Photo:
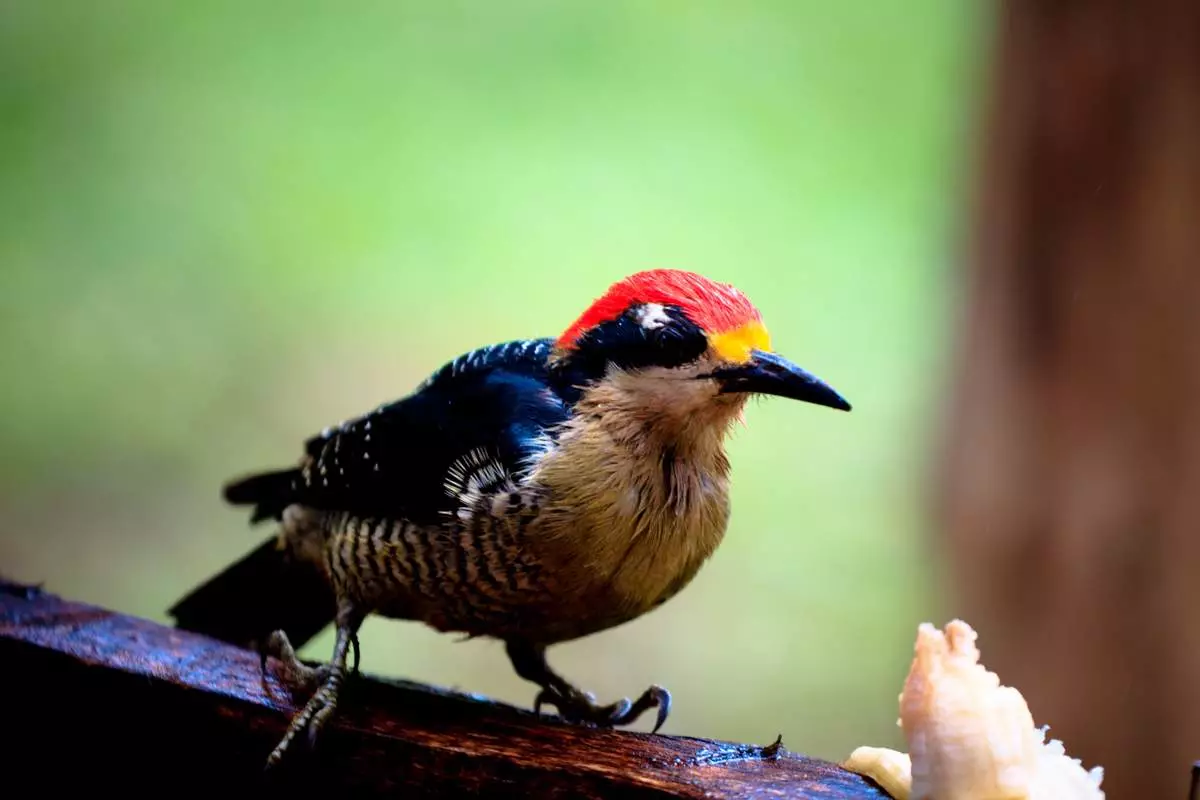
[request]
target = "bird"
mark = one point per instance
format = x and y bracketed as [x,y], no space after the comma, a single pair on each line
[532,492]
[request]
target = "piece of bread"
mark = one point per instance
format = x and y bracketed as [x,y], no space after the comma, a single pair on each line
[968,736]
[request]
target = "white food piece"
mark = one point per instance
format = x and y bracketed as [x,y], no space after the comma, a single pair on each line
[891,769]
[1059,775]
[970,737]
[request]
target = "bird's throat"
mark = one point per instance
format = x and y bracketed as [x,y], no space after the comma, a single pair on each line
[634,510]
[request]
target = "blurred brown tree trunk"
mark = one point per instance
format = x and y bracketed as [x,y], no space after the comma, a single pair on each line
[1070,483]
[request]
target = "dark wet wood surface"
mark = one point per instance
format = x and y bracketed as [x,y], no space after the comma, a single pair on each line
[98,700]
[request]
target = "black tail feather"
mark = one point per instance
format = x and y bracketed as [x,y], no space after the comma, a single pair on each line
[263,591]
[268,492]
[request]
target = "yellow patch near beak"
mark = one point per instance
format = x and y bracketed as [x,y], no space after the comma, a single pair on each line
[734,346]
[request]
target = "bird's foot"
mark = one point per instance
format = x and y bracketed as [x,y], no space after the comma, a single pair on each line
[327,678]
[576,706]
[295,674]
[313,716]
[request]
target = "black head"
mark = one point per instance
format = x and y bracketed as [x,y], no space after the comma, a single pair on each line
[673,325]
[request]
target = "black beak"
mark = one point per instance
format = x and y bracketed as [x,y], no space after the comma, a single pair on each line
[767,373]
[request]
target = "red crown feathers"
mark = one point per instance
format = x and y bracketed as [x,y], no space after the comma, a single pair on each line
[715,307]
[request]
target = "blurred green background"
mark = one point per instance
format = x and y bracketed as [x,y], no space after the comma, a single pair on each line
[226,225]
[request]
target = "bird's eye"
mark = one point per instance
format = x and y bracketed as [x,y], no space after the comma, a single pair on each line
[665,336]
[646,335]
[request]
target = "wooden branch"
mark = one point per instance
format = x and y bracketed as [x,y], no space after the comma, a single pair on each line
[97,699]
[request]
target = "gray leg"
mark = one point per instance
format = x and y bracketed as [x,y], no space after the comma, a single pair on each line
[328,679]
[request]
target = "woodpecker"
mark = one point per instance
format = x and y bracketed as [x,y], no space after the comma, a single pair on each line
[533,492]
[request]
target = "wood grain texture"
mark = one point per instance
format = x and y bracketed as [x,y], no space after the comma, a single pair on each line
[97,699]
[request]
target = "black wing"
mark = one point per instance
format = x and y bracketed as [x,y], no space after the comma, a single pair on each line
[477,419]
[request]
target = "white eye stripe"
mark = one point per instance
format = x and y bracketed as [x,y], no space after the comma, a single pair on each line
[652,316]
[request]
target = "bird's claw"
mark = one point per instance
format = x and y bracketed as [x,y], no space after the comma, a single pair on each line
[295,674]
[326,679]
[310,719]
[575,706]
[655,696]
